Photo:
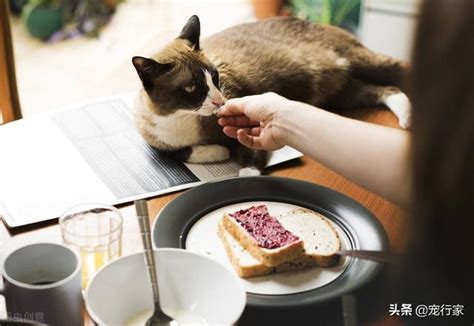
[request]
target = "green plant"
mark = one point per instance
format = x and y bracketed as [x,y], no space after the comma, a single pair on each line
[43,17]
[44,2]
[55,20]
[334,12]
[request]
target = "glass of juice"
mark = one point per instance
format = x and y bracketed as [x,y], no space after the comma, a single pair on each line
[95,232]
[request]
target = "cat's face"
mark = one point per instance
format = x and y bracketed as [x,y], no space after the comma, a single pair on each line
[180,77]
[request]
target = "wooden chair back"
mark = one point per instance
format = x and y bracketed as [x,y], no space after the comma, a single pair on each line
[9,101]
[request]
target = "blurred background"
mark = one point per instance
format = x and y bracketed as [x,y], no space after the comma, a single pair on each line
[67,51]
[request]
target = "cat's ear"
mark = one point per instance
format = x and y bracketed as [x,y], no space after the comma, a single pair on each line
[148,69]
[191,32]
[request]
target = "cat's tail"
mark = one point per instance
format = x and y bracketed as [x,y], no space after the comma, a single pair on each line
[360,94]
[378,69]
[389,74]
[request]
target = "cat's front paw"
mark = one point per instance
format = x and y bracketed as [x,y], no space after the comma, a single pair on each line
[208,154]
[249,172]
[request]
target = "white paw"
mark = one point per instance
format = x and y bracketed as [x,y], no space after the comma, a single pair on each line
[221,153]
[405,120]
[208,154]
[400,105]
[249,172]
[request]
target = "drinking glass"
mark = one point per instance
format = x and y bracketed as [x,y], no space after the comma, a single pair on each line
[95,232]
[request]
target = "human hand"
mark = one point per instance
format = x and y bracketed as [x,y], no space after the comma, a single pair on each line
[256,121]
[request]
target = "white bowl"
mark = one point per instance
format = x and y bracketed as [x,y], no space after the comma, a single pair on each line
[193,289]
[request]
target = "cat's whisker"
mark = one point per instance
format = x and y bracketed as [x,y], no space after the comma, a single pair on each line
[223,89]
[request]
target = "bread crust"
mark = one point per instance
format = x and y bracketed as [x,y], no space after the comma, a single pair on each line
[243,271]
[268,257]
[258,269]
[320,259]
[238,246]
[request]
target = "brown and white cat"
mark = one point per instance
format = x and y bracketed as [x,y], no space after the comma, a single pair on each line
[187,80]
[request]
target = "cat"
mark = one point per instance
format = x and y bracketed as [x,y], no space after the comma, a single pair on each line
[185,82]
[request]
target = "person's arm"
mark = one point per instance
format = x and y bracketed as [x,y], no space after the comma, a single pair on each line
[375,157]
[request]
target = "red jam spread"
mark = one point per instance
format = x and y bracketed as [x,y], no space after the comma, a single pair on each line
[265,229]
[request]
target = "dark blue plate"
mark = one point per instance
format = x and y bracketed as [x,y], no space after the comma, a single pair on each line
[360,226]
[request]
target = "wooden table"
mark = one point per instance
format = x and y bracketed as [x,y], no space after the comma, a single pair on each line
[391,217]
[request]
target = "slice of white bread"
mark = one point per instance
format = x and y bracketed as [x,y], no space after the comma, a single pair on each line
[319,237]
[321,240]
[269,257]
[248,266]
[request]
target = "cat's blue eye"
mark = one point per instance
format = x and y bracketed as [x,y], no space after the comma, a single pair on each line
[190,89]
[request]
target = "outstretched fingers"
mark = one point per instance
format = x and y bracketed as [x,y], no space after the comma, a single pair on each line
[249,139]
[237,121]
[231,131]
[249,106]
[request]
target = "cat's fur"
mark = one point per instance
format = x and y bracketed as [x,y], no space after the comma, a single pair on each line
[321,65]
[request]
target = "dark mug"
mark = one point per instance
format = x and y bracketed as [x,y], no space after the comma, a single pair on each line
[42,283]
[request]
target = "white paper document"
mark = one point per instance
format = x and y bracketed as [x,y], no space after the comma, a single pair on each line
[90,152]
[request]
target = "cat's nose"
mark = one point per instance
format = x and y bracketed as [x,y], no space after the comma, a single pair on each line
[218,102]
